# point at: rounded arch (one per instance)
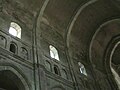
(9, 81)
(102, 44)
(101, 39)
(13, 47)
(15, 75)
(75, 18)
(114, 42)
(84, 25)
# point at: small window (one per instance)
(15, 30)
(54, 52)
(82, 68)
(13, 48)
(56, 70)
(24, 53)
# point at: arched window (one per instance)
(82, 68)
(24, 53)
(54, 52)
(13, 48)
(56, 70)
(15, 30)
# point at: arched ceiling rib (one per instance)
(57, 16)
(55, 19)
(75, 18)
(59, 12)
(116, 55)
(87, 23)
(101, 39)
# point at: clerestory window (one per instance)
(82, 68)
(54, 52)
(15, 30)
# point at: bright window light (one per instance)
(12, 31)
(54, 53)
(15, 30)
(82, 68)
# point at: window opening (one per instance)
(13, 48)
(54, 53)
(56, 70)
(15, 30)
(82, 68)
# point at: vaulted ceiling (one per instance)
(79, 21)
(76, 21)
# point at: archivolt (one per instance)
(17, 73)
(75, 18)
(104, 45)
